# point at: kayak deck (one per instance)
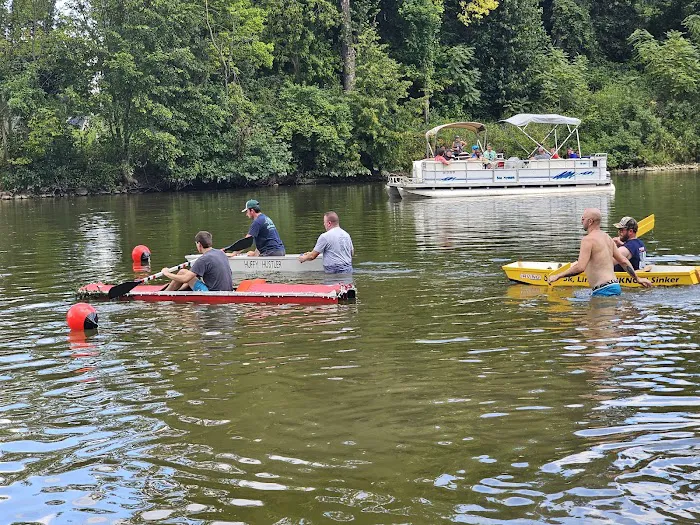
(536, 273)
(248, 291)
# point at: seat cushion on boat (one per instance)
(247, 284)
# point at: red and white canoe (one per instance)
(248, 291)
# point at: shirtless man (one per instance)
(596, 257)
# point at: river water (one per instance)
(444, 394)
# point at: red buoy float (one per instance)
(141, 254)
(81, 316)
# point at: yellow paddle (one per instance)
(562, 268)
(643, 226)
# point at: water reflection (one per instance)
(495, 223)
(100, 241)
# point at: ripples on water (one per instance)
(444, 395)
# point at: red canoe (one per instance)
(248, 291)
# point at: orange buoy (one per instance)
(81, 316)
(141, 254)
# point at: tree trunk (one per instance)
(347, 49)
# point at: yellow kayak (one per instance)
(529, 272)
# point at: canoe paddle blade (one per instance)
(240, 244)
(125, 288)
(645, 225)
(121, 289)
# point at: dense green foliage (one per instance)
(171, 94)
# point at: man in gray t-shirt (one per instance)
(211, 272)
(335, 245)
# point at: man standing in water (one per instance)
(596, 257)
(335, 245)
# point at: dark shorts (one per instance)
(274, 253)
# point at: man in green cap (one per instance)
(263, 231)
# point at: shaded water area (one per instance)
(444, 394)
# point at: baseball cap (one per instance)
(252, 203)
(475, 147)
(627, 222)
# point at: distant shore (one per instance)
(82, 192)
(666, 167)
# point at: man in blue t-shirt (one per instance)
(263, 231)
(631, 247)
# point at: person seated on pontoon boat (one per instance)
(440, 157)
(571, 154)
(628, 244)
(264, 231)
(553, 153)
(458, 145)
(449, 154)
(211, 272)
(476, 152)
(540, 155)
(489, 157)
(335, 245)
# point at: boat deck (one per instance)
(248, 291)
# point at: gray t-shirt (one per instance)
(214, 270)
(336, 247)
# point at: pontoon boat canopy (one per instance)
(475, 127)
(523, 119)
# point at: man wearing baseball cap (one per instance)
(628, 244)
(263, 231)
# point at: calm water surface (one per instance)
(445, 394)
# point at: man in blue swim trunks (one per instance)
(596, 257)
(211, 272)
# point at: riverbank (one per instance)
(83, 192)
(666, 167)
(136, 189)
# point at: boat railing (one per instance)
(511, 171)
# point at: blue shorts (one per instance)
(608, 290)
(199, 286)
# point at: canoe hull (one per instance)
(255, 292)
(536, 272)
(242, 264)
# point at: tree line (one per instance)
(174, 94)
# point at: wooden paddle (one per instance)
(126, 287)
(643, 226)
